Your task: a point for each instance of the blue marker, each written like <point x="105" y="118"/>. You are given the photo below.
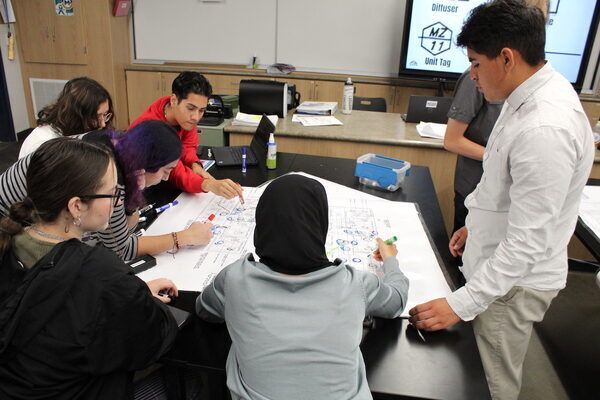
<point x="243" y="160"/>
<point x="163" y="208"/>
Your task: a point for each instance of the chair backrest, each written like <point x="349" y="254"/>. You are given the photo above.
<point x="369" y="104"/>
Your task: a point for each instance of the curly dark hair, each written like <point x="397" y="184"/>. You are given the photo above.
<point x="76" y="109"/>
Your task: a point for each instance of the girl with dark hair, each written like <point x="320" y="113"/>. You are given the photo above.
<point x="74" y="320"/>
<point x="83" y="105"/>
<point x="144" y="156"/>
<point x="295" y="318"/>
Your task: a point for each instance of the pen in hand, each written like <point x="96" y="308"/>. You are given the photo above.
<point x="391" y="240"/>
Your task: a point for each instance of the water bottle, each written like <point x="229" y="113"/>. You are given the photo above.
<point x="348" y="97"/>
<point x="271" y="153"/>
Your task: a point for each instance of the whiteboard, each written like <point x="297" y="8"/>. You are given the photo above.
<point x="343" y="36"/>
<point x="229" y="32"/>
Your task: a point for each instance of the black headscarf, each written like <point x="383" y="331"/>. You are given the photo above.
<point x="291" y="225"/>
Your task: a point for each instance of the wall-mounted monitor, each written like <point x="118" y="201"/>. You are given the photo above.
<point x="429" y="47"/>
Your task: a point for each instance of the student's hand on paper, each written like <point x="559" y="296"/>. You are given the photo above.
<point x="222" y="187"/>
<point x="457" y="242"/>
<point x="198" y="170"/>
<point x="198" y="233"/>
<point x="162" y="285"/>
<point x="433" y="315"/>
<point x="384" y="250"/>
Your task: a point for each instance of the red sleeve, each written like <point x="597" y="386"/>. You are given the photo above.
<point x="185" y="179"/>
<point x="189" y="139"/>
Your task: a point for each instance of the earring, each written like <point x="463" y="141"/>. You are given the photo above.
<point x="77" y="221"/>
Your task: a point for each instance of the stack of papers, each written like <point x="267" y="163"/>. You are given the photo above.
<point x="317" y="107"/>
<point x="315" y="120"/>
<point x="431" y="130"/>
<point x="243" y="119"/>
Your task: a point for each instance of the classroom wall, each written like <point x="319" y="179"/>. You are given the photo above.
<point x="19" y="93"/>
<point x="14" y="82"/>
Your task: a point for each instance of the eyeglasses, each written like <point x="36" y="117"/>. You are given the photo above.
<point x="106" y="117"/>
<point x="116" y="196"/>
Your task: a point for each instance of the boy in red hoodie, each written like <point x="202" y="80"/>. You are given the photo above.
<point x="183" y="109"/>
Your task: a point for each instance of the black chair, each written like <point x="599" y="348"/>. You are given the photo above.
<point x="369" y="104"/>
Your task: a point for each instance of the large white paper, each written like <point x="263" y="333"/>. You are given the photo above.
<point x="589" y="208"/>
<point x="355" y="219"/>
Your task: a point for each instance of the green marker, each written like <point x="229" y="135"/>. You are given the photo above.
<point x="391" y="240"/>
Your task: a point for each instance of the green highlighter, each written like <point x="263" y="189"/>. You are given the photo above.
<point x="391" y="240"/>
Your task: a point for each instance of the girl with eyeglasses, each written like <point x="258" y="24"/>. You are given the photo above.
<point x="144" y="156"/>
<point x="74" y="320"/>
<point x="83" y="105"/>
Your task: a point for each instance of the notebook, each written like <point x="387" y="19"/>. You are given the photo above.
<point x="428" y="109"/>
<point x="257" y="153"/>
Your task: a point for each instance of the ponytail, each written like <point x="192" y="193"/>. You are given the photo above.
<point x="20" y="215"/>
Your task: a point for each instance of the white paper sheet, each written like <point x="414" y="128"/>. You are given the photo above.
<point x="589" y="208"/>
<point x="431" y="130"/>
<point x="314" y="120"/>
<point x="355" y="219"/>
<point x="243" y="119"/>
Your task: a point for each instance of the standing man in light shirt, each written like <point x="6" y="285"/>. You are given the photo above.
<point x="524" y="210"/>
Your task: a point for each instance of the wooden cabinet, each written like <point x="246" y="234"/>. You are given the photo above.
<point x="90" y="43"/>
<point x="329" y="91"/>
<point x="142" y="89"/>
<point x="225" y="84"/>
<point x="45" y="37"/>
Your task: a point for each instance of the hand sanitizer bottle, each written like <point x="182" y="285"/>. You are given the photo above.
<point x="348" y="97"/>
<point x="271" y="153"/>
